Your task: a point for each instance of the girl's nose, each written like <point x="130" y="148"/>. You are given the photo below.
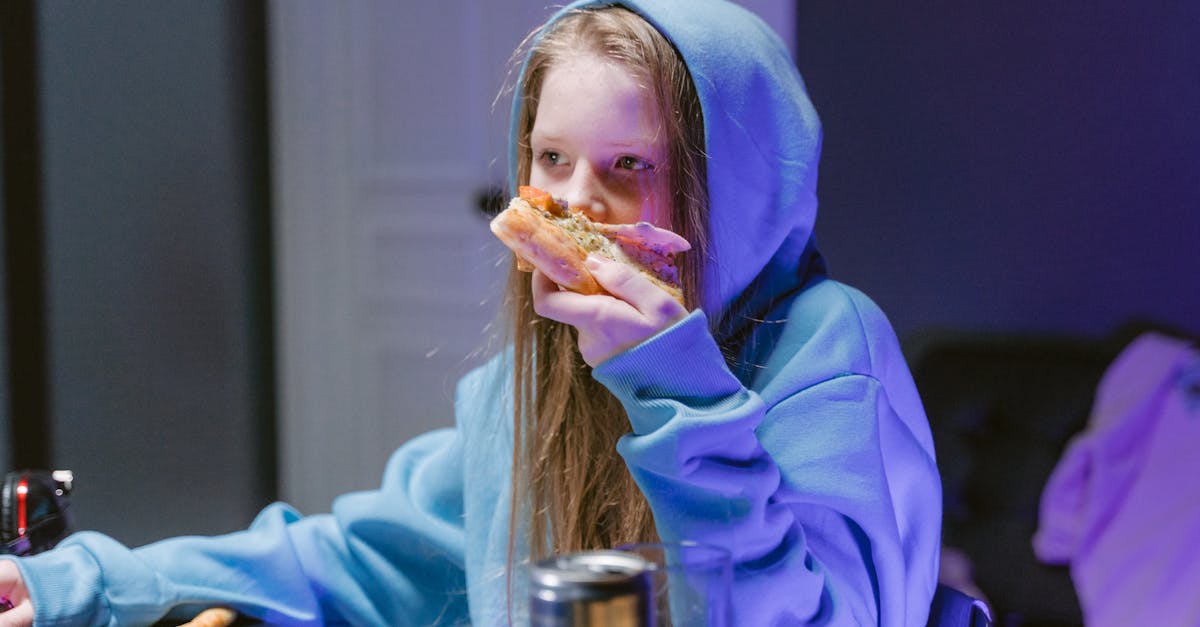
<point x="586" y="192"/>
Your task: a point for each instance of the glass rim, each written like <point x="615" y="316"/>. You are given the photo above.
<point x="696" y="553"/>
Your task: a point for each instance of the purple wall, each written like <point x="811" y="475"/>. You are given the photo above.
<point x="1021" y="167"/>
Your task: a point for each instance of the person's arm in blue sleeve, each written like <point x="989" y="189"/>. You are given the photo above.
<point x="393" y="556"/>
<point x="828" y="501"/>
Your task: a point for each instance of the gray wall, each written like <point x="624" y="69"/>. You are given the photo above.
<point x="4" y="428"/>
<point x="1001" y="167"/>
<point x="160" y="397"/>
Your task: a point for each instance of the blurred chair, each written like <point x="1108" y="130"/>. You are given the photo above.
<point x="953" y="608"/>
<point x="1001" y="409"/>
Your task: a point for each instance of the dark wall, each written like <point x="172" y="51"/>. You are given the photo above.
<point x="1022" y="166"/>
<point x="156" y="254"/>
<point x="4" y="391"/>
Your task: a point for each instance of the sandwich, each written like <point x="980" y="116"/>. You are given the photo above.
<point x="546" y="234"/>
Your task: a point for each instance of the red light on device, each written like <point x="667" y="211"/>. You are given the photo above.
<point x="22" y="494"/>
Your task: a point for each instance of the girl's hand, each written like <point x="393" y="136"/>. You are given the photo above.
<point x="12" y="588"/>
<point x="632" y="311"/>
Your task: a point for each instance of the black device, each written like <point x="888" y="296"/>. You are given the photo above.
<point x="34" y="510"/>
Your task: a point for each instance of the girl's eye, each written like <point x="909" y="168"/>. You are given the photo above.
<point x="633" y="163"/>
<point x="549" y="157"/>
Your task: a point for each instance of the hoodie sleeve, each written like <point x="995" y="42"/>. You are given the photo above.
<point x="392" y="556"/>
<point x="830" y="507"/>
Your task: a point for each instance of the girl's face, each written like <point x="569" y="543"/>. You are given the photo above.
<point x="598" y="143"/>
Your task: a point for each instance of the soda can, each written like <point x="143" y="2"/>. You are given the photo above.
<point x="589" y="589"/>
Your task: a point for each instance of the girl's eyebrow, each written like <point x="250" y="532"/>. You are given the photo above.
<point x="632" y="144"/>
<point x="639" y="144"/>
<point x="544" y="136"/>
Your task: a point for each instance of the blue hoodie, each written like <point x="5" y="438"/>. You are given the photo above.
<point x="806" y="452"/>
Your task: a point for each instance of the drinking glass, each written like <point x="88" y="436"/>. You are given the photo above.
<point x="691" y="582"/>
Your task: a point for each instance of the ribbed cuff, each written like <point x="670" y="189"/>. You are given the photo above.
<point x="65" y="586"/>
<point x="682" y="364"/>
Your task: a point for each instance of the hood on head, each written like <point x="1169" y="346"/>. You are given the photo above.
<point x="763" y="140"/>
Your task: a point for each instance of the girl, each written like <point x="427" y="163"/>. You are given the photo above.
<point x="772" y="415"/>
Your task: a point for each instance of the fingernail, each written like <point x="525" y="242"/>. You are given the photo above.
<point x="592" y="262"/>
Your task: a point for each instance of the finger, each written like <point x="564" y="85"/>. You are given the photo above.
<point x="542" y="284"/>
<point x="213" y="617"/>
<point x="12" y="586"/>
<point x="20" y="615"/>
<point x="633" y="287"/>
<point x="560" y="305"/>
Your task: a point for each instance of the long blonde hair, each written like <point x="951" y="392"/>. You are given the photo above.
<point x="569" y="487"/>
